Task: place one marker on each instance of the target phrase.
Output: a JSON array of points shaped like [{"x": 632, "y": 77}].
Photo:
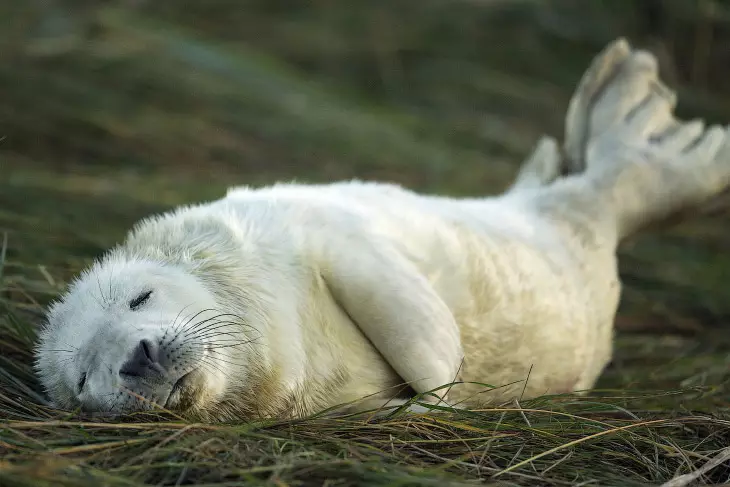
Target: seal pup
[{"x": 285, "y": 300}]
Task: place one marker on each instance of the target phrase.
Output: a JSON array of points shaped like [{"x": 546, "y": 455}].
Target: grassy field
[{"x": 109, "y": 113}]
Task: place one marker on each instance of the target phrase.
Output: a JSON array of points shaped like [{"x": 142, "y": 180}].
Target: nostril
[
  {"x": 143, "y": 360},
  {"x": 147, "y": 349}
]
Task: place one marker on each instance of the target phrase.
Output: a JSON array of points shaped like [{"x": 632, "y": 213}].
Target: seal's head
[
  {"x": 172, "y": 318},
  {"x": 135, "y": 334},
  {"x": 212, "y": 312}
]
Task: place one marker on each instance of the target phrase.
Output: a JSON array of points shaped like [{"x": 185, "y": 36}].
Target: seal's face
[{"x": 135, "y": 335}]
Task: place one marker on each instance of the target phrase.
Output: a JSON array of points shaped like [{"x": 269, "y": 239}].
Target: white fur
[{"x": 345, "y": 290}]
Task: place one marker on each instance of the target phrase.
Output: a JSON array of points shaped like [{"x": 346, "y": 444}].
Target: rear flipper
[
  {"x": 629, "y": 161},
  {"x": 547, "y": 163},
  {"x": 648, "y": 165},
  {"x": 541, "y": 168},
  {"x": 640, "y": 164}
]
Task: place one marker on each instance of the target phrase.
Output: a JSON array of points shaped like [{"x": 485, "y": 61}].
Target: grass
[{"x": 111, "y": 113}]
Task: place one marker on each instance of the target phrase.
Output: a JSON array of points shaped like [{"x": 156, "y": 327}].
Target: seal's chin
[{"x": 185, "y": 391}]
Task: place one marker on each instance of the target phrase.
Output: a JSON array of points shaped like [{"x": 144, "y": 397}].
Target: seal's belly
[{"x": 529, "y": 306}]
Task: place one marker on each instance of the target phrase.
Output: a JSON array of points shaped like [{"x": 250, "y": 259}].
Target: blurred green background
[{"x": 111, "y": 110}]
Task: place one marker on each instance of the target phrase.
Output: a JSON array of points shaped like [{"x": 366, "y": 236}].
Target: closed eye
[
  {"x": 82, "y": 382},
  {"x": 139, "y": 300}
]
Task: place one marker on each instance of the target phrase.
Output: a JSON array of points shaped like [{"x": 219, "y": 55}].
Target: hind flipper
[
  {"x": 541, "y": 168},
  {"x": 580, "y": 119},
  {"x": 649, "y": 165},
  {"x": 640, "y": 164},
  {"x": 546, "y": 163},
  {"x": 617, "y": 81}
]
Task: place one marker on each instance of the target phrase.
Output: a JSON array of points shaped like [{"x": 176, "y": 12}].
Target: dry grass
[{"x": 111, "y": 113}]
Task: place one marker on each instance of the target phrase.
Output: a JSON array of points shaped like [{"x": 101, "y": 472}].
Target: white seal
[{"x": 288, "y": 299}]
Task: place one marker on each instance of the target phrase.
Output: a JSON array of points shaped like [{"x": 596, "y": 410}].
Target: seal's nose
[{"x": 144, "y": 362}]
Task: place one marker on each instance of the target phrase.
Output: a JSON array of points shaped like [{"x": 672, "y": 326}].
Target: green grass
[{"x": 108, "y": 114}]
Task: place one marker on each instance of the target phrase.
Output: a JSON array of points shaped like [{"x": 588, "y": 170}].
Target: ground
[{"x": 110, "y": 113}]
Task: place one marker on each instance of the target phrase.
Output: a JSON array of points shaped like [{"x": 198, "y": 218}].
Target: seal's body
[
  {"x": 524, "y": 292},
  {"x": 284, "y": 300},
  {"x": 530, "y": 282}
]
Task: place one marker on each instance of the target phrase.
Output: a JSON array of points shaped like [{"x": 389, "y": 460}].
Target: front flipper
[{"x": 395, "y": 307}]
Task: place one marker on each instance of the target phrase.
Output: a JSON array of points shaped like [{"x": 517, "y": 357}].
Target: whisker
[
  {"x": 225, "y": 341},
  {"x": 214, "y": 333},
  {"x": 216, "y": 367},
  {"x": 213, "y": 327},
  {"x": 204, "y": 329},
  {"x": 185, "y": 326},
  {"x": 197, "y": 326},
  {"x": 175, "y": 320},
  {"x": 183, "y": 320},
  {"x": 237, "y": 320},
  {"x": 221, "y": 360},
  {"x": 219, "y": 347},
  {"x": 101, "y": 293},
  {"x": 111, "y": 275},
  {"x": 222, "y": 344}
]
